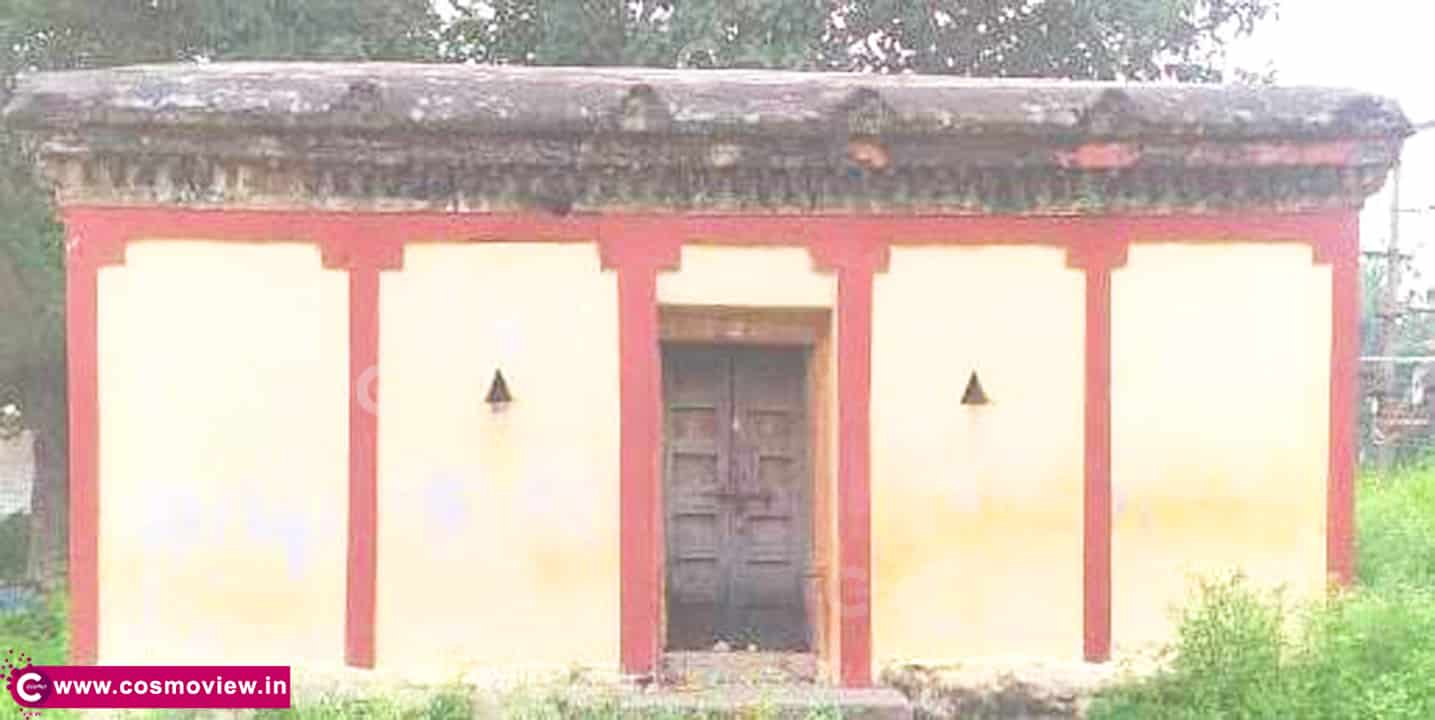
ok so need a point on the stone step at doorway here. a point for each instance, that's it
(737, 668)
(772, 702)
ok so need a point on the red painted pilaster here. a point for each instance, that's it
(856, 257)
(82, 356)
(363, 256)
(1097, 258)
(88, 247)
(637, 257)
(1339, 246)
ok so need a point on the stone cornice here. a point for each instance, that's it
(655, 175)
(385, 137)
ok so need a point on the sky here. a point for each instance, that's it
(1381, 46)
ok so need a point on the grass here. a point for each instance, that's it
(40, 632)
(1369, 653)
(445, 703)
(1396, 525)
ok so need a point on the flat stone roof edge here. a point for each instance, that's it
(399, 98)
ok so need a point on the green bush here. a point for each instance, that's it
(1370, 653)
(42, 633)
(1396, 524)
(1226, 661)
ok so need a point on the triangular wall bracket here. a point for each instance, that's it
(498, 394)
(974, 394)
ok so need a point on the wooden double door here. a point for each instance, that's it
(737, 497)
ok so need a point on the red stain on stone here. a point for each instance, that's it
(1100, 156)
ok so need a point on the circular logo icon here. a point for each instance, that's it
(30, 686)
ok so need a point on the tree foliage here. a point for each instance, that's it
(49, 34)
(1084, 39)
(1097, 40)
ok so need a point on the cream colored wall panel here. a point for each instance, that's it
(223, 455)
(1220, 400)
(498, 533)
(747, 276)
(976, 523)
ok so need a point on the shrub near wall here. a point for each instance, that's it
(40, 631)
(1369, 653)
(1396, 526)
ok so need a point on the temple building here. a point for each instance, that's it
(417, 366)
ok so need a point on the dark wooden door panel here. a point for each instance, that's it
(770, 543)
(736, 497)
(699, 525)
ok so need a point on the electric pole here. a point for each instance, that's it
(1389, 311)
(1389, 316)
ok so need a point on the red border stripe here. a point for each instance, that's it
(363, 255)
(81, 332)
(1096, 525)
(420, 227)
(637, 257)
(363, 466)
(857, 257)
(1097, 257)
(639, 546)
(854, 505)
(88, 247)
(1339, 246)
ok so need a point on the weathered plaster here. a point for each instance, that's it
(461, 138)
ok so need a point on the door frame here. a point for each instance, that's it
(810, 328)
